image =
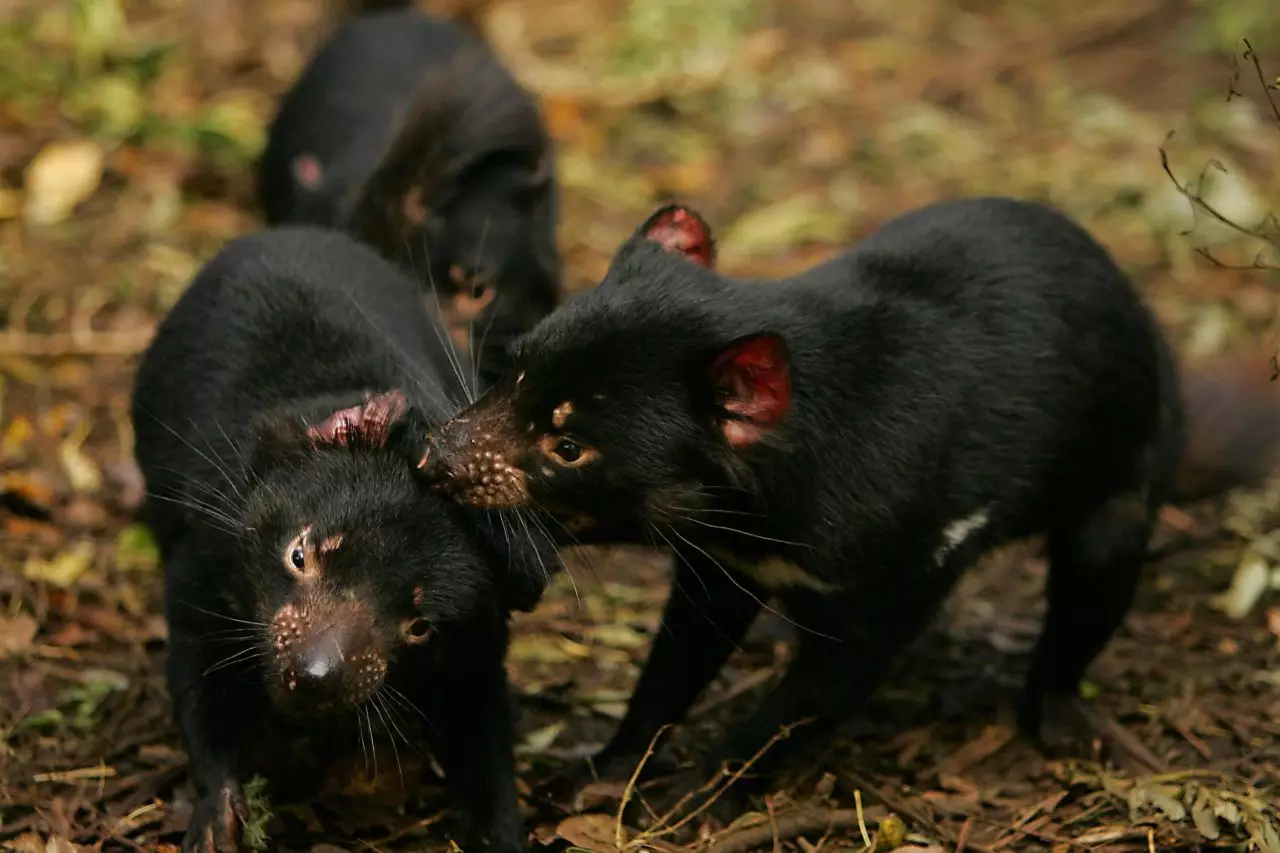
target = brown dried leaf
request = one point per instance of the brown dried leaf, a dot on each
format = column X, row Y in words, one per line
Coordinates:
column 28, row 842
column 589, row 831
column 60, row 845
column 17, row 633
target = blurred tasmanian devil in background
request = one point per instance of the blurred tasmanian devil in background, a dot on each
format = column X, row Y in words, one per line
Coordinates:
column 407, row 131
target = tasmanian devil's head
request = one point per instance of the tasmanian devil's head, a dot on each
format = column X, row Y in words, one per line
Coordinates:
column 632, row 403
column 349, row 564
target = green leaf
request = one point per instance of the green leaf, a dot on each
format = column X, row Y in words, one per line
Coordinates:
column 136, row 549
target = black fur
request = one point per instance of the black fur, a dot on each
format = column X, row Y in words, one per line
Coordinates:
column 275, row 333
column 398, row 103
column 982, row 359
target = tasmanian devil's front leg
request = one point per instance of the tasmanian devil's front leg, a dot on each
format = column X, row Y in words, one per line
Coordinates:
column 211, row 729
column 706, row 617
column 467, row 704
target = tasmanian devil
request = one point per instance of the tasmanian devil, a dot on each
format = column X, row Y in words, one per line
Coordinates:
column 847, row 441
column 408, row 131
column 310, row 579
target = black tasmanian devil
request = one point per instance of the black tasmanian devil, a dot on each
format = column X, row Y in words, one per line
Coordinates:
column 408, row 131
column 847, row 441
column 310, row 579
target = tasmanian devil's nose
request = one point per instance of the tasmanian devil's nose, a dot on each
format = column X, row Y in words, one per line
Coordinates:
column 320, row 665
column 435, row 465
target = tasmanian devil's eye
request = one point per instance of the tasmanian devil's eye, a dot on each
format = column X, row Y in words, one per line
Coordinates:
column 418, row 630
column 300, row 557
column 565, row 451
column 568, row 450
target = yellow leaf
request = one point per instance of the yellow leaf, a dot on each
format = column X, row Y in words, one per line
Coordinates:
column 10, row 203
column 617, row 636
column 81, row 470
column 800, row 219
column 546, row 648
column 64, row 569
column 541, row 739
column 59, row 178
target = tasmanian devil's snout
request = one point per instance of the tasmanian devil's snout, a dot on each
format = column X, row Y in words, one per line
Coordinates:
column 325, row 655
column 473, row 461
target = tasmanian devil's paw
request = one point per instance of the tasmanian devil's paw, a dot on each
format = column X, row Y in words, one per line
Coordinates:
column 1059, row 726
column 218, row 822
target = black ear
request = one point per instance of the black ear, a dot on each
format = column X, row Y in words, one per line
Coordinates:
column 523, row 559
column 681, row 231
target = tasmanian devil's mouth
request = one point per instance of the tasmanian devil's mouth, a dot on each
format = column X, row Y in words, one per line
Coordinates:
column 325, row 657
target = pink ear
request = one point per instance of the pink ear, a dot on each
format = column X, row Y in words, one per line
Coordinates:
column 752, row 381
column 307, row 171
column 371, row 421
column 678, row 229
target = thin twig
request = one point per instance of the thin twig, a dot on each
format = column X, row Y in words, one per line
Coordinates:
column 660, row 829
column 629, row 791
column 1252, row 55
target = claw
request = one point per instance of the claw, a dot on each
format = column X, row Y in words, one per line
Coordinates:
column 217, row 822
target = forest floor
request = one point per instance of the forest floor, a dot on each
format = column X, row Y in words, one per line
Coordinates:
column 128, row 129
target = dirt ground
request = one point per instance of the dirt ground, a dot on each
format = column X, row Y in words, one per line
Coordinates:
column 127, row 133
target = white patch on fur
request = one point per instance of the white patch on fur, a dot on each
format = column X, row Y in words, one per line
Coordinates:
column 959, row 530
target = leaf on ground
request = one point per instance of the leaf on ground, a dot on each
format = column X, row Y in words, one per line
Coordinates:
column 59, row 178
column 236, row 118
column 33, row 490
column 20, row 431
column 1203, row 816
column 593, row 832
column 1165, row 798
column 799, row 219
column 136, row 549
column 17, row 633
column 82, row 472
column 540, row 740
column 617, row 636
column 988, row 742
column 58, row 844
column 546, row 648
column 65, row 569
column 1250, row 581
column 28, row 842
column 1273, row 620
column 10, row 204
